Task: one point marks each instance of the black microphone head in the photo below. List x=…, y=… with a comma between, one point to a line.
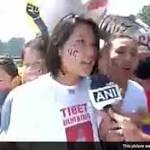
x=103, y=92
x=99, y=80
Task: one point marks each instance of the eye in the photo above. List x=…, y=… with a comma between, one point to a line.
x=94, y=45
x=26, y=65
x=120, y=52
x=80, y=41
x=37, y=65
x=133, y=54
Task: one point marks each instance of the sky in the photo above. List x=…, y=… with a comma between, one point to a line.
x=126, y=7
x=14, y=22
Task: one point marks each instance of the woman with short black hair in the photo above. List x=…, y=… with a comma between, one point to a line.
x=56, y=106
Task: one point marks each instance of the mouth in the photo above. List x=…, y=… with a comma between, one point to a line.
x=126, y=68
x=87, y=63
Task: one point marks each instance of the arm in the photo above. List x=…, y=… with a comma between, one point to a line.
x=145, y=137
x=5, y=114
x=33, y=11
x=129, y=129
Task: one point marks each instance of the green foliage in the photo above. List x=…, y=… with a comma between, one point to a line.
x=13, y=47
x=144, y=15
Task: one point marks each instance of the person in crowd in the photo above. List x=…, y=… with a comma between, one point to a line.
x=8, y=74
x=119, y=58
x=142, y=74
x=9, y=78
x=34, y=58
x=143, y=52
x=34, y=65
x=142, y=71
x=58, y=102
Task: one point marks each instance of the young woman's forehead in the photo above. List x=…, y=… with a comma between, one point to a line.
x=124, y=42
x=31, y=54
x=82, y=28
x=83, y=31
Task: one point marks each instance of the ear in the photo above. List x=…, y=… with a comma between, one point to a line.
x=16, y=81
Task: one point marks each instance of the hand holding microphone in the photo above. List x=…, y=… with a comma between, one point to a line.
x=114, y=127
x=103, y=93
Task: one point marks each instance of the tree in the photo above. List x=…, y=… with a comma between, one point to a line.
x=13, y=47
x=144, y=14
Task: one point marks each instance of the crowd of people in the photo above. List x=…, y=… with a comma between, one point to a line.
x=51, y=101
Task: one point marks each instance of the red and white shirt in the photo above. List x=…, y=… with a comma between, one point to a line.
x=45, y=110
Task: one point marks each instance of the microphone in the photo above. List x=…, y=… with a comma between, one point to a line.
x=103, y=93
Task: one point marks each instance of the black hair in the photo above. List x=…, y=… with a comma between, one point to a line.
x=9, y=66
x=61, y=34
x=143, y=69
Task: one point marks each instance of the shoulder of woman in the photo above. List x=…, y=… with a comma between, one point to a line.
x=136, y=85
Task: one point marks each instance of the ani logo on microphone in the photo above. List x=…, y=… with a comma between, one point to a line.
x=106, y=95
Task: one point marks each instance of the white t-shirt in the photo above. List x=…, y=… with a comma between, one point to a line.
x=135, y=98
x=45, y=110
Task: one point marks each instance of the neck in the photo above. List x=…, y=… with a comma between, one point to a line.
x=121, y=82
x=67, y=79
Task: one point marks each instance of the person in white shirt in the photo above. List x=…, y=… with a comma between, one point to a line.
x=119, y=58
x=34, y=65
x=56, y=106
x=33, y=58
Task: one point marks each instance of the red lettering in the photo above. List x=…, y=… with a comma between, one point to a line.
x=69, y=111
x=74, y=110
x=85, y=107
x=80, y=109
x=63, y=111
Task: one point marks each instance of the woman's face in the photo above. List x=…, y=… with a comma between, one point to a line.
x=143, y=52
x=34, y=65
x=5, y=80
x=78, y=54
x=123, y=57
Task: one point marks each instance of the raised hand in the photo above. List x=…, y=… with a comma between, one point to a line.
x=32, y=10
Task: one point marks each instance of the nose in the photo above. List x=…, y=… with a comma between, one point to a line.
x=128, y=57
